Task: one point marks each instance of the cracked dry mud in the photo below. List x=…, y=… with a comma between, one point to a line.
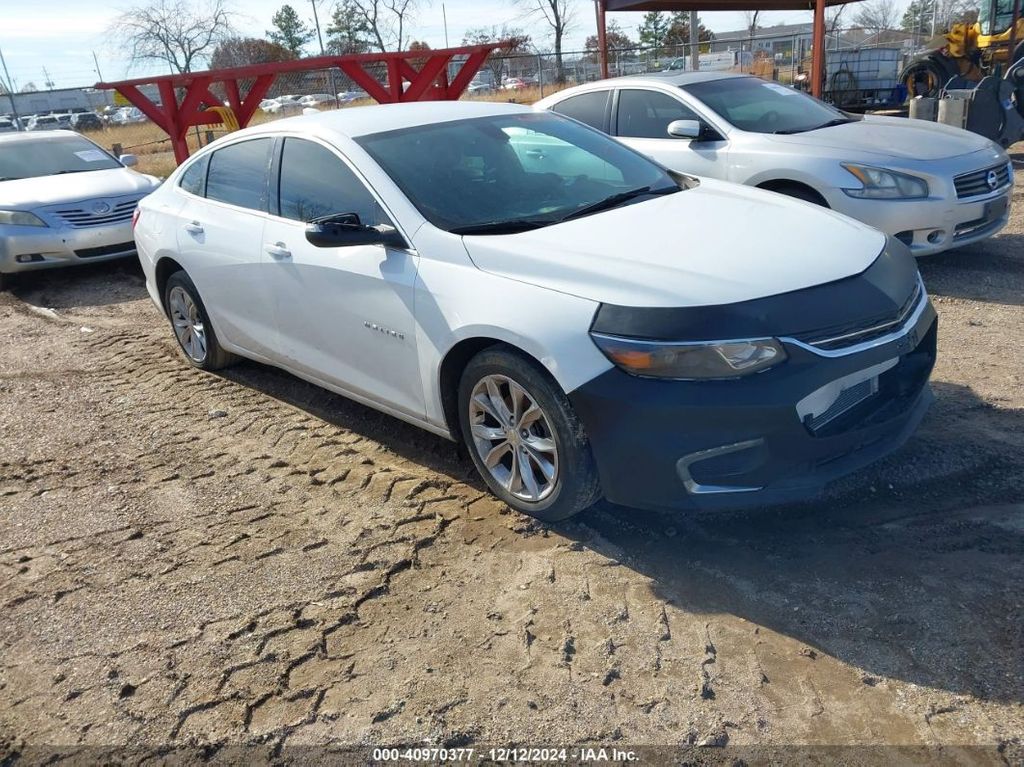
x=189, y=558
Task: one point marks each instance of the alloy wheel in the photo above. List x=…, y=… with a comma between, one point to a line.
x=188, y=323
x=513, y=438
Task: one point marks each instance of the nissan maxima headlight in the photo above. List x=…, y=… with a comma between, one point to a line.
x=882, y=184
x=20, y=218
x=691, y=361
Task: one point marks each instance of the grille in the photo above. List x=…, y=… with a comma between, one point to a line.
x=847, y=399
x=82, y=218
x=975, y=183
x=840, y=338
x=106, y=250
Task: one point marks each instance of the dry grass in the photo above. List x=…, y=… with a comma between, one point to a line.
x=153, y=148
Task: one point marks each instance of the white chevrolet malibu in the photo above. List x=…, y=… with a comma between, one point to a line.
x=931, y=186
x=589, y=324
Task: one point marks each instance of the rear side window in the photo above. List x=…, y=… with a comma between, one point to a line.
x=193, y=180
x=589, y=108
x=238, y=174
x=315, y=183
x=646, y=114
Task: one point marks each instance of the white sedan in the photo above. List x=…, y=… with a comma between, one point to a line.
x=586, y=322
x=931, y=186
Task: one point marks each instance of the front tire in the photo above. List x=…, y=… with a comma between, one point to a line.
x=191, y=324
x=524, y=437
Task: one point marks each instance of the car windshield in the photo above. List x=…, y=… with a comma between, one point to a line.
x=758, y=106
x=31, y=158
x=512, y=172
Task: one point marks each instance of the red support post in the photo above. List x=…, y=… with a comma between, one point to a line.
x=818, y=54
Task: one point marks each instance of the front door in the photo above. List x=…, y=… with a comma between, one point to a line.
x=642, y=121
x=345, y=315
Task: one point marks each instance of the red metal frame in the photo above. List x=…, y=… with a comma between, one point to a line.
x=426, y=82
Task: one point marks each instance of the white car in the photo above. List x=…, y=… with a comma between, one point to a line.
x=64, y=201
x=283, y=107
x=43, y=123
x=318, y=99
x=931, y=186
x=588, y=323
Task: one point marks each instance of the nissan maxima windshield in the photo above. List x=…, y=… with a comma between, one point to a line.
x=511, y=173
x=50, y=156
x=757, y=106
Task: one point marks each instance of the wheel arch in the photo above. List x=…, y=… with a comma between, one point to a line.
x=783, y=185
x=165, y=267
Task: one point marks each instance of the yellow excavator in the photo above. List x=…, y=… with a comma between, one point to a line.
x=985, y=57
x=968, y=51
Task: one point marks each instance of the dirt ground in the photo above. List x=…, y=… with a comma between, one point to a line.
x=245, y=559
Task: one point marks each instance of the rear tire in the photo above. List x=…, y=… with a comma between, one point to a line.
x=524, y=437
x=191, y=325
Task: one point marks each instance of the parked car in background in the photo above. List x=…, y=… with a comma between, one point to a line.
x=64, y=120
x=84, y=122
x=42, y=122
x=586, y=322
x=64, y=201
x=128, y=116
x=283, y=108
x=316, y=100
x=931, y=186
x=347, y=97
x=513, y=84
x=8, y=125
x=480, y=87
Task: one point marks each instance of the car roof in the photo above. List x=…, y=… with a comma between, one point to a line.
x=361, y=121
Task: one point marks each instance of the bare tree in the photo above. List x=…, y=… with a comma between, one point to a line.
x=179, y=33
x=751, y=19
x=560, y=16
x=384, y=20
x=877, y=15
x=833, y=19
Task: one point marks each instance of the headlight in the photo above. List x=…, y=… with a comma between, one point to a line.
x=690, y=361
x=20, y=218
x=882, y=184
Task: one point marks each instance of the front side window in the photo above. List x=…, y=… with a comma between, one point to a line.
x=315, y=183
x=520, y=170
x=32, y=158
x=193, y=180
x=238, y=174
x=588, y=108
x=646, y=114
x=754, y=105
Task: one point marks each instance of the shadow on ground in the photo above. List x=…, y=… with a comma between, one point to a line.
x=102, y=284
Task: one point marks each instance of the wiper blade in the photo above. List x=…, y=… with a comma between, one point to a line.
x=829, y=124
x=75, y=170
x=9, y=178
x=512, y=226
x=615, y=200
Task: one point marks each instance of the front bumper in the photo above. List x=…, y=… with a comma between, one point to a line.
x=29, y=248
x=935, y=224
x=741, y=443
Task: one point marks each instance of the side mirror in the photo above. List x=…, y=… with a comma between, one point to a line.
x=684, y=129
x=128, y=160
x=345, y=230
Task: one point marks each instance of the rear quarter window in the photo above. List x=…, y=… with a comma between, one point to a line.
x=589, y=108
x=193, y=180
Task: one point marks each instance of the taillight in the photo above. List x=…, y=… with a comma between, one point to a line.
x=135, y=217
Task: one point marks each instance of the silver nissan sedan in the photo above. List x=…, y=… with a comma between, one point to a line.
x=64, y=201
x=931, y=186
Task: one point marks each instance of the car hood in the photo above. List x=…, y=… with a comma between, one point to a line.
x=714, y=244
x=892, y=137
x=28, y=193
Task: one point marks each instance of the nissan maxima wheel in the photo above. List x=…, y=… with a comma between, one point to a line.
x=191, y=325
x=524, y=438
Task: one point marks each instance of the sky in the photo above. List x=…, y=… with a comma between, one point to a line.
x=61, y=36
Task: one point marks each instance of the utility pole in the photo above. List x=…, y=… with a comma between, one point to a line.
x=96, y=61
x=9, y=85
x=444, y=17
x=46, y=80
x=694, y=42
x=320, y=39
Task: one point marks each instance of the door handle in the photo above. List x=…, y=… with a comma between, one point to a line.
x=277, y=250
x=194, y=228
x=535, y=154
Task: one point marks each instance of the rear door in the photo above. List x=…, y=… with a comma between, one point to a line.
x=345, y=315
x=641, y=121
x=219, y=233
